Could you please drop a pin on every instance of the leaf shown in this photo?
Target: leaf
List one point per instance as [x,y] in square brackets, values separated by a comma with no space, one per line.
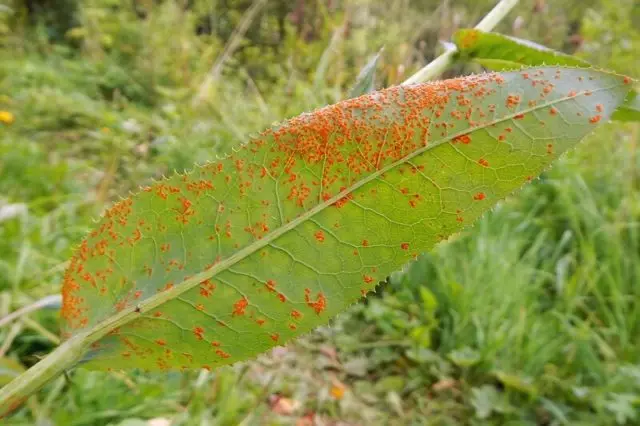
[629,110]
[9,370]
[365,83]
[465,357]
[245,253]
[516,382]
[500,52]
[486,400]
[622,407]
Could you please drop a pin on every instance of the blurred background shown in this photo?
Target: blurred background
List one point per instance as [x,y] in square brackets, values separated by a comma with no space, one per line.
[531,317]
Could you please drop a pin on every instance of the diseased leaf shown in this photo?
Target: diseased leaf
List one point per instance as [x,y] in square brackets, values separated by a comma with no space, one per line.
[500,52]
[248,252]
[365,83]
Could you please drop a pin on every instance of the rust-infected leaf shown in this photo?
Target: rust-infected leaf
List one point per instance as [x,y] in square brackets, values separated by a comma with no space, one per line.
[248,252]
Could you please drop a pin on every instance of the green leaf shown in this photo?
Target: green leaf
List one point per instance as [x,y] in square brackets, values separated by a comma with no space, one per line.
[629,110]
[487,400]
[365,83]
[9,370]
[516,382]
[622,406]
[465,357]
[245,253]
[500,52]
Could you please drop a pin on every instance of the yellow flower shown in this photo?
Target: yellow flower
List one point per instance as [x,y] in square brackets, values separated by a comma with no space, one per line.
[6,117]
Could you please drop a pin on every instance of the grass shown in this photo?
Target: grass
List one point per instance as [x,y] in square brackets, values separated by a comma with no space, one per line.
[530,317]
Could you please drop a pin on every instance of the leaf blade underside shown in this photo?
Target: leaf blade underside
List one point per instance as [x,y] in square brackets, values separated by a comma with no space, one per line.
[243,254]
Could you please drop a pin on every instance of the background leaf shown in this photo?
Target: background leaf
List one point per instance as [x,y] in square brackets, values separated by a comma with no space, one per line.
[629,110]
[243,254]
[365,82]
[500,52]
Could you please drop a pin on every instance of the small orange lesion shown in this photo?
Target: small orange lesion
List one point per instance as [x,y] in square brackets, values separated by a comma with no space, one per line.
[317,305]
[240,306]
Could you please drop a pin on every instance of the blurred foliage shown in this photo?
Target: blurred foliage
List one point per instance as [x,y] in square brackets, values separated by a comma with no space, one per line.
[530,317]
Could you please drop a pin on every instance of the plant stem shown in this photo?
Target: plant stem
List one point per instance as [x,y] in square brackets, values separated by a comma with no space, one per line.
[52,300]
[436,67]
[63,357]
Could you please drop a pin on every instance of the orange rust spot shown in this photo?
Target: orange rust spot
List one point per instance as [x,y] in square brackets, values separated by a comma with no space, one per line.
[627,80]
[518,116]
[160,342]
[198,332]
[464,139]
[222,354]
[367,279]
[319,304]
[206,288]
[483,162]
[469,39]
[215,344]
[344,200]
[599,107]
[240,306]
[282,297]
[553,111]
[270,285]
[404,246]
[513,101]
[296,314]
[479,196]
[275,337]
[365,243]
[594,119]
[319,235]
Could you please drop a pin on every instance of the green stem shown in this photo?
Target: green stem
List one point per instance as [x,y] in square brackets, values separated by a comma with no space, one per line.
[63,357]
[436,67]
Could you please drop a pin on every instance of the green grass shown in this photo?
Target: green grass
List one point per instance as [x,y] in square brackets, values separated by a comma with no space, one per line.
[531,317]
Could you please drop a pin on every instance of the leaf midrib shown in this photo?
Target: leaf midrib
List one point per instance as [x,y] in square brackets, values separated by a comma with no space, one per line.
[129,314]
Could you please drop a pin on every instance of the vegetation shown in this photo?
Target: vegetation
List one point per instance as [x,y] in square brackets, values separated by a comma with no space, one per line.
[530,317]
